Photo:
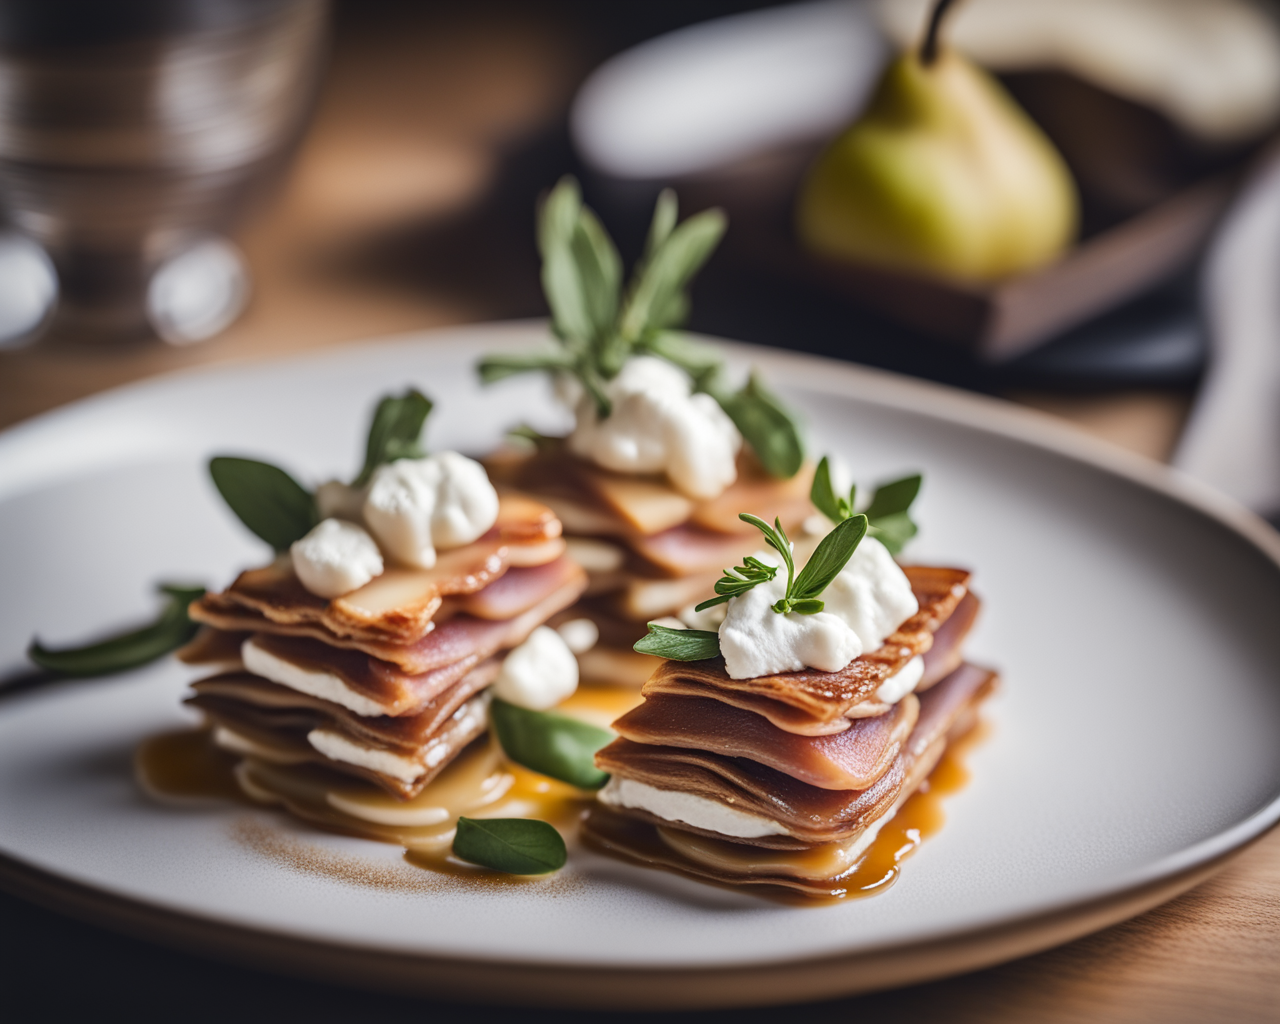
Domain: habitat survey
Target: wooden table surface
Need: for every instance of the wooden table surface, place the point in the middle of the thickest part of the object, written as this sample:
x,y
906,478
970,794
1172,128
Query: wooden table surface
x,y
373,233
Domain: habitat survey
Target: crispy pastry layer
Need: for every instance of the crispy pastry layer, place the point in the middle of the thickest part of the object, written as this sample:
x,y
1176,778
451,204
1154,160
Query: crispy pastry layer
x,y
398,606
853,759
455,639
242,696
284,735
597,501
809,814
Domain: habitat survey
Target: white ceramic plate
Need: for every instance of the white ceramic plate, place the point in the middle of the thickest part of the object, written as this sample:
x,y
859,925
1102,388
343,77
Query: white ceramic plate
x,y
1133,747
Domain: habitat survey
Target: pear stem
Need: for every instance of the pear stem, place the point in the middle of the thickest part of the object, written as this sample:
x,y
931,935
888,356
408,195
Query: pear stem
x,y
929,48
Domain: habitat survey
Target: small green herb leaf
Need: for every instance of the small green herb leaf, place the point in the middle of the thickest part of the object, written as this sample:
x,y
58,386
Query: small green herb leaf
x,y
766,425
555,745
823,495
659,299
395,433
600,270
737,581
599,329
831,555
823,566
893,498
268,500
679,644
171,630
665,213
888,515
893,531
518,846
562,279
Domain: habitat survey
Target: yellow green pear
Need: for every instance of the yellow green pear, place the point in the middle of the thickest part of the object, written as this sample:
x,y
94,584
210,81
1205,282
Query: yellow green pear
x,y
944,174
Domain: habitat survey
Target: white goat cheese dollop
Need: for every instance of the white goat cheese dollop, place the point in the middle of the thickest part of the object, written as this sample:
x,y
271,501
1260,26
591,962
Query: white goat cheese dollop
x,y
335,558
869,599
757,641
657,426
872,594
418,506
538,674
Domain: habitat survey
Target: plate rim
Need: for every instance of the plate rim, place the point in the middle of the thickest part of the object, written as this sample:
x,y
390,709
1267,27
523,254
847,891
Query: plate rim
x,y
1028,930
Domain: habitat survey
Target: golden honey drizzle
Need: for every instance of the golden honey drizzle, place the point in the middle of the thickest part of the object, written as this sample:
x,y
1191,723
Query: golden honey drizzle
x,y
186,764
920,817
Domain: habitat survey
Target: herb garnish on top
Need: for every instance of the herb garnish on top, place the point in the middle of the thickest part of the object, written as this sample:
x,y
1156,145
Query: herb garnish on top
x,y
599,325
803,593
888,516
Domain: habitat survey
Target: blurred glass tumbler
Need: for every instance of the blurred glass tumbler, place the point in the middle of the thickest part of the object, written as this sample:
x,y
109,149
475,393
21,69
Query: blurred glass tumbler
x,y
132,133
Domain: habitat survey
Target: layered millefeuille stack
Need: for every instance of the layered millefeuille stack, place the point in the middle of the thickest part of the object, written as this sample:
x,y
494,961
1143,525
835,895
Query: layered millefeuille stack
x,y
785,779
664,453
649,550
348,710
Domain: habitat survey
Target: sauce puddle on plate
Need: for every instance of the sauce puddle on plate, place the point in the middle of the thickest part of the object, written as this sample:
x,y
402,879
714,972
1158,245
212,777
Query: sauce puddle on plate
x,y
919,818
187,765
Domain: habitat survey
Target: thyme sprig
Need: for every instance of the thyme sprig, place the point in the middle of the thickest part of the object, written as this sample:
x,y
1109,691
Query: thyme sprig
x,y
599,325
738,581
801,595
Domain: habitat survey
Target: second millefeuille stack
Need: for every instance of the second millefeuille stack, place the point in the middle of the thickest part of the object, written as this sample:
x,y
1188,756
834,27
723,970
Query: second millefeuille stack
x,y
649,550
786,779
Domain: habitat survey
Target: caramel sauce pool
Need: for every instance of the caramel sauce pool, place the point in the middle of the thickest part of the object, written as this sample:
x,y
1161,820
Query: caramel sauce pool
x,y
186,765
917,819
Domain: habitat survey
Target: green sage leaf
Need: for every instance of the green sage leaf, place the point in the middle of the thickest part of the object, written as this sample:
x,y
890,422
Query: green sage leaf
x,y
600,270
171,629
495,368
562,283
766,425
893,531
823,495
271,503
555,745
658,299
679,644
831,555
665,213
893,498
518,846
395,433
